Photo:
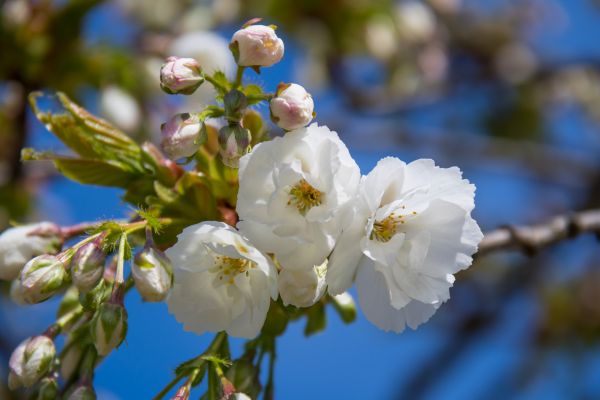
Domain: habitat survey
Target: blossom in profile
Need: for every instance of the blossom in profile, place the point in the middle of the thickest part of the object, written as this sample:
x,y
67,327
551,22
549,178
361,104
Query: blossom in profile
x,y
410,232
221,281
257,46
294,194
180,75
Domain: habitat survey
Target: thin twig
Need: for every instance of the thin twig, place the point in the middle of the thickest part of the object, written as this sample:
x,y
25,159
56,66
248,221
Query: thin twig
x,y
530,239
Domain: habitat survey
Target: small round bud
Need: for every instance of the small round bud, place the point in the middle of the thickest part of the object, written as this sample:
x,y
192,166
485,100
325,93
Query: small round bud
x,y
181,135
41,278
87,266
153,274
302,288
30,361
180,75
109,327
234,142
20,244
48,389
292,107
82,391
257,46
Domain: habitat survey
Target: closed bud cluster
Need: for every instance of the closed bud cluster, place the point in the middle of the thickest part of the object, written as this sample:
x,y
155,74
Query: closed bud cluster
x,y
302,288
20,244
180,76
257,46
152,273
87,266
82,391
30,361
234,142
292,107
109,327
181,135
41,278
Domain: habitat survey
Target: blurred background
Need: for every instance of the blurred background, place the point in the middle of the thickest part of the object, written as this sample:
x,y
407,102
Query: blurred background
x,y
507,90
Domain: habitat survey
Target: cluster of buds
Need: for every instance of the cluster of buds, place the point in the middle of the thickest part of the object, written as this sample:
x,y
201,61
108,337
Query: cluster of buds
x,y
252,46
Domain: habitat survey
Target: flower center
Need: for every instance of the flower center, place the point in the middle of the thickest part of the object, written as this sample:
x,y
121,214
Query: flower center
x,y
229,267
384,230
304,197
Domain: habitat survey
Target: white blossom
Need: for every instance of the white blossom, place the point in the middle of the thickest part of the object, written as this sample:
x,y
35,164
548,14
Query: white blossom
x,y
20,244
410,232
222,282
416,22
302,288
294,193
258,46
292,107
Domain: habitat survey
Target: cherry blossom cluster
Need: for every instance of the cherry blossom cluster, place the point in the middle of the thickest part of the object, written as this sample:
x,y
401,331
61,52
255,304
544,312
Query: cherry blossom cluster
x,y
309,223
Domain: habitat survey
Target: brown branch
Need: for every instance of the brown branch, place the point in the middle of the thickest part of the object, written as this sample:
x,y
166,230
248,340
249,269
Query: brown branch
x,y
530,239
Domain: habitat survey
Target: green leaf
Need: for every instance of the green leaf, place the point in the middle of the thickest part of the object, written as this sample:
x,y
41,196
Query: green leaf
x,y
253,93
85,134
95,172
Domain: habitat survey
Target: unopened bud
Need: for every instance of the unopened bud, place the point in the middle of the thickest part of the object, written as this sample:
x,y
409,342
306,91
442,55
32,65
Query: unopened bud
x,y
109,327
82,392
41,278
20,244
257,46
180,75
292,107
30,361
87,266
48,389
302,288
152,273
182,135
235,103
234,142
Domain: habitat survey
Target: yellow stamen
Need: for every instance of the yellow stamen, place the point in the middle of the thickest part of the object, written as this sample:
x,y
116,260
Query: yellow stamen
x,y
304,197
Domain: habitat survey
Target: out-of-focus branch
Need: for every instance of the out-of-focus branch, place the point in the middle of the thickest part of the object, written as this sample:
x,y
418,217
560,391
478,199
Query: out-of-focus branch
x,y
530,239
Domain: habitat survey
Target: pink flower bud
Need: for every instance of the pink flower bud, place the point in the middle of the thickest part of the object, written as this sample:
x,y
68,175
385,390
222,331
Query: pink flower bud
x,y
181,136
180,75
292,108
257,46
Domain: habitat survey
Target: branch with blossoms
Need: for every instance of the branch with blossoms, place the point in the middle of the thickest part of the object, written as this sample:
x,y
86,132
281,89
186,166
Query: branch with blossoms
x,y
240,233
